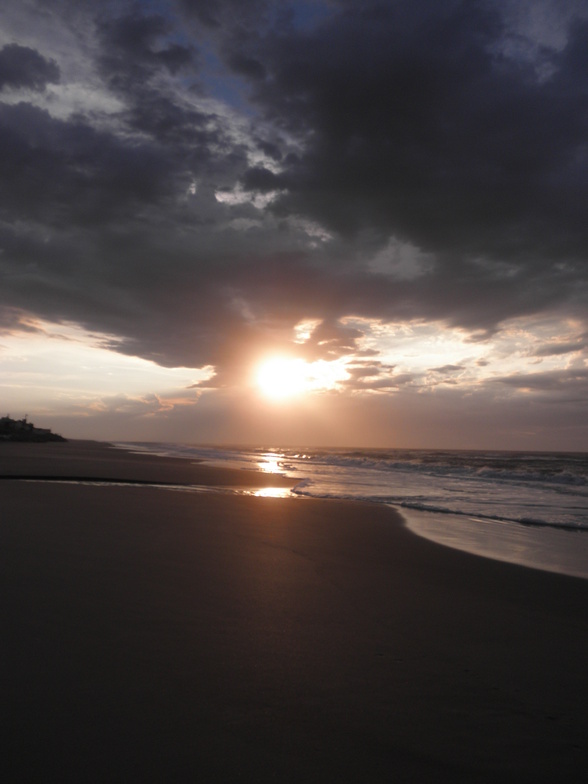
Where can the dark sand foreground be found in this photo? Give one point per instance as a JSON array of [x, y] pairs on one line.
[[156, 635]]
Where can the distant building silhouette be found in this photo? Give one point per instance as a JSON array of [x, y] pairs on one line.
[[23, 430]]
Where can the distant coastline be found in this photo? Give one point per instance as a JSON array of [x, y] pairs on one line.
[[23, 430]]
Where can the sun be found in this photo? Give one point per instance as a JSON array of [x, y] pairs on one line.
[[280, 378]]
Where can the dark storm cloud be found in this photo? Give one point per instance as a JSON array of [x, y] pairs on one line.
[[135, 48], [370, 120], [70, 176], [98, 226], [224, 13], [423, 127], [21, 66], [420, 127]]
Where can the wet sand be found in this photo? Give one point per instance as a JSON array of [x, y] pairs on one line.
[[156, 635]]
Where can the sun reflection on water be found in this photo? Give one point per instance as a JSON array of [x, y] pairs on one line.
[[269, 463], [273, 492]]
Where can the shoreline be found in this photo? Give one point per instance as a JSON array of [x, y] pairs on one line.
[[554, 550], [154, 635], [560, 547]]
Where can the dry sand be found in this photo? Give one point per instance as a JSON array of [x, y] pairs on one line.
[[156, 635]]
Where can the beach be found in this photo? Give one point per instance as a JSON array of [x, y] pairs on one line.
[[152, 634]]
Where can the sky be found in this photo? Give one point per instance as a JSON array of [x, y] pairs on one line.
[[303, 222]]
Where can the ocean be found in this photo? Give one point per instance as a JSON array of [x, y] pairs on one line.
[[525, 507]]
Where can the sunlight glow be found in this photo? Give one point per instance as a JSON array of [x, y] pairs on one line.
[[282, 377]]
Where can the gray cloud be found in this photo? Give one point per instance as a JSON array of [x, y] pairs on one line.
[[369, 121], [557, 349], [21, 66], [572, 384], [424, 129], [447, 369], [375, 375]]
